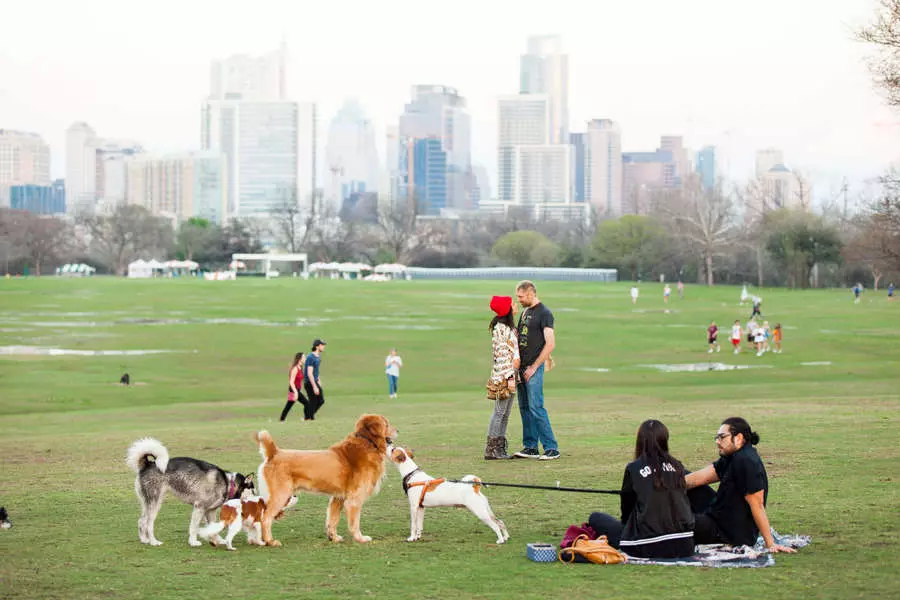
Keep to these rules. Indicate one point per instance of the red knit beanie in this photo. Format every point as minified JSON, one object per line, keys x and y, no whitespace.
{"x":501,"y":305}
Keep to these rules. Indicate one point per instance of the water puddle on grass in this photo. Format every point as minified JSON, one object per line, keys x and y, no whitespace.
{"x":42,"y":351}
{"x":666,"y":311}
{"x":700,"y":367}
{"x":594,"y":369}
{"x":409,"y":327}
{"x":819,"y":363}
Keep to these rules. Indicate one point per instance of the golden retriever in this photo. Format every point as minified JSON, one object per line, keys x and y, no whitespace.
{"x":350,"y":471}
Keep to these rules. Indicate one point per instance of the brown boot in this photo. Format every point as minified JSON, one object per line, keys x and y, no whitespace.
{"x":501,"y":449}
{"x":490,"y":449}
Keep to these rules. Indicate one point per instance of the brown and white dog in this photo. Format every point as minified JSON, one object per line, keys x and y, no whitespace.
{"x":350,"y":472}
{"x":424,"y":491}
{"x":245,"y":513}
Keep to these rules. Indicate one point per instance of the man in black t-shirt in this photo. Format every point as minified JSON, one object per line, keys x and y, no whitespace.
{"x":536,"y":342}
{"x":736,"y":514}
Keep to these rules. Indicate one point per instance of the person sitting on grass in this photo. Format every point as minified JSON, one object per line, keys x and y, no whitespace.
{"x":736,"y":513}
{"x":657,"y":521}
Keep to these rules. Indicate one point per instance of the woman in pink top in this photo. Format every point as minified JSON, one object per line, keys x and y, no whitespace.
{"x":295,"y":382}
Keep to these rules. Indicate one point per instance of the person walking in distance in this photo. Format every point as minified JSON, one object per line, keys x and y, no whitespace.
{"x":312,"y":384}
{"x":502,"y":383}
{"x":295,"y":380}
{"x":536,"y":341}
{"x":681,"y":289}
{"x":712,"y":337}
{"x":392,"y":365}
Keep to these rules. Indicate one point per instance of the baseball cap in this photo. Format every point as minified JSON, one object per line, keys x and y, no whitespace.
{"x":318,"y":342}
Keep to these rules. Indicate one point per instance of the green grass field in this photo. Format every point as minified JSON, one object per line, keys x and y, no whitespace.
{"x":830,"y":433}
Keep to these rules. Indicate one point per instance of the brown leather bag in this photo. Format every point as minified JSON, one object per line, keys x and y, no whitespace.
{"x":596,"y":551}
{"x":498,"y":390}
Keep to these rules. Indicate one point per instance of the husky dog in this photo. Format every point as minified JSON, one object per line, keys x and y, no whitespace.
{"x":197,"y":482}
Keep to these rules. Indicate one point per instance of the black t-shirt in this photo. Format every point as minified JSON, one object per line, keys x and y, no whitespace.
{"x":531,"y":333}
{"x":740,"y":474}
{"x":648,"y":512}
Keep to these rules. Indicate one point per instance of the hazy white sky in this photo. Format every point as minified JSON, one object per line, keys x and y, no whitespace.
{"x":740,"y":75}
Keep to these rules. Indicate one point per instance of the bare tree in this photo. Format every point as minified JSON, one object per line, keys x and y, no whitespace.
{"x":397,"y":223}
{"x":757,"y":200}
{"x":125,"y":234}
{"x":884,"y":34}
{"x":293,"y":224}
{"x":704,"y":219}
{"x":38,"y":239}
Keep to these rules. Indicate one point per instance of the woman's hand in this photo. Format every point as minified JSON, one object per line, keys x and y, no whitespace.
{"x":511,"y":383}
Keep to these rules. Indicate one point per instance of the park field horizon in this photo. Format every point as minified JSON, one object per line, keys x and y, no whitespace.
{"x":208,"y":361}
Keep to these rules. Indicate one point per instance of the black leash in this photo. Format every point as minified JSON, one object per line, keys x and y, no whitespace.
{"x":536,"y":487}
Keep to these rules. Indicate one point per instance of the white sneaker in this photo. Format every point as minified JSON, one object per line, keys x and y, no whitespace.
{"x":718,"y":348}
{"x":759,"y":353}
{"x":710,"y":351}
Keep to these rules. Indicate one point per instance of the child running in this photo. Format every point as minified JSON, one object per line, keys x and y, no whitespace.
{"x":736,"y":336}
{"x":712,"y":337}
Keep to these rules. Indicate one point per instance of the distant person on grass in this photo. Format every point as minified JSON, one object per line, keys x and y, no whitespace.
{"x":502,"y":383}
{"x":757,"y":302}
{"x":295,"y":381}
{"x":536,"y":341}
{"x":681,"y":289}
{"x":667,"y":291}
{"x":656,"y":521}
{"x":392,"y":365}
{"x":736,"y":335}
{"x":312,"y":384}
{"x":776,"y":335}
{"x":891,"y":291}
{"x":634,"y":294}
{"x":712,"y":337}
{"x":736,"y":513}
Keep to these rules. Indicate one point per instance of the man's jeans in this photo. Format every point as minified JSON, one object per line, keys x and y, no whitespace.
{"x":535,"y":421}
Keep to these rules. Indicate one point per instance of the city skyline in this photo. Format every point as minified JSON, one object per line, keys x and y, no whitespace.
{"x":805,"y":91}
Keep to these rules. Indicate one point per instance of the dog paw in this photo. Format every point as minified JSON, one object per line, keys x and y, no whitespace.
{"x":155,"y":543}
{"x":231,"y":548}
{"x":274,"y":544}
{"x":412,"y":539}
{"x":501,"y":541}
{"x":336,"y":538}
{"x":195,"y":543}
{"x":363,"y":539}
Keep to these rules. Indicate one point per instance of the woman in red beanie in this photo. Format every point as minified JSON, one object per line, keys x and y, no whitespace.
{"x":502,"y":384}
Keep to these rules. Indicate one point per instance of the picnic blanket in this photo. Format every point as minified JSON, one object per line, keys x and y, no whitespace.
{"x":725,"y":556}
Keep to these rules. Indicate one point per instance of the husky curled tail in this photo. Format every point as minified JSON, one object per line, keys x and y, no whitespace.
{"x":267,"y":450}
{"x":144,"y":448}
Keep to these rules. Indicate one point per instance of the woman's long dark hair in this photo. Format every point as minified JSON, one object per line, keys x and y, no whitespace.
{"x":297,"y":358}
{"x":506,"y":320}
{"x":652,"y":444}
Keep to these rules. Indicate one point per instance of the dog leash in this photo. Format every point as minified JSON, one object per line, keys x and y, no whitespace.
{"x":556,"y":488}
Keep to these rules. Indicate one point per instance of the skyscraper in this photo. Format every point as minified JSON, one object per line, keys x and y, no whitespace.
{"x":268,"y":141}
{"x":81,"y":166}
{"x":578,"y":141}
{"x":437,"y":112}
{"x":603,"y":167}
{"x":545,"y":70}
{"x":350,"y":154}
{"x":96,"y":176}
{"x":707,"y":167}
{"x":179,"y":186}
{"x":531,"y":170}
{"x":24,"y":160}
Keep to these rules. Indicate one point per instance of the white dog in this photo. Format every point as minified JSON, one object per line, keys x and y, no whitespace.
{"x":425,"y":491}
{"x":241,"y":513}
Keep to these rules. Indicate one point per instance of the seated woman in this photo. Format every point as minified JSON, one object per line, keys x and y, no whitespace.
{"x":657,"y":521}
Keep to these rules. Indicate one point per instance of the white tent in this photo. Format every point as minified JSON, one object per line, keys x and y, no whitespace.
{"x":140,"y":269}
{"x":76,"y":270}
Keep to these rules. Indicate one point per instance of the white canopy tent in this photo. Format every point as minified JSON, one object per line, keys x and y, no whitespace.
{"x":140,"y":269}
{"x":76,"y":270}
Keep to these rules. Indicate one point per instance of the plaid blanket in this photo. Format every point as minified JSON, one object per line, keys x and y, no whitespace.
{"x":724,"y":556}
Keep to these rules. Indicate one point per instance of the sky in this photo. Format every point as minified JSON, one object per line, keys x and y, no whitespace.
{"x":739,"y":75}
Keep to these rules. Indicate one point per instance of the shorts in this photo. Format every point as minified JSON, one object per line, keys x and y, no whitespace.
{"x":735,"y":342}
{"x":712,"y":340}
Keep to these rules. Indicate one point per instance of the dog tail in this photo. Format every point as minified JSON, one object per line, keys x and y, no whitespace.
{"x":477,"y":481}
{"x":267,"y":447}
{"x":210,"y":530}
{"x":144,"y":449}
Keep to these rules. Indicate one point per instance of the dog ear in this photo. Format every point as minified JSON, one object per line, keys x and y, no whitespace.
{"x":398,"y":456}
{"x":248,"y":479}
{"x":410,"y":454}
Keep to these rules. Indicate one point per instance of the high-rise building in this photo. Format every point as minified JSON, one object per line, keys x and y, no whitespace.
{"x":350,"y":154}
{"x":766,"y":159}
{"x":531,"y":169}
{"x":424,"y":175}
{"x":578,"y":141}
{"x":674,"y":144}
{"x":180,"y":186}
{"x":644,"y":173}
{"x":95,"y":169}
{"x":250,"y":77}
{"x":482,"y":184}
{"x":269,"y":151}
{"x":81,"y":167}
{"x":269,"y":142}
{"x":39,"y":199}
{"x":437,"y":112}
{"x":24,"y":160}
{"x":603,"y":166}
{"x":545,"y":70}
{"x":707,"y":167}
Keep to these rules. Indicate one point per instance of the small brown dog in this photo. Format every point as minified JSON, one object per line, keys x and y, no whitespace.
{"x":350,"y":472}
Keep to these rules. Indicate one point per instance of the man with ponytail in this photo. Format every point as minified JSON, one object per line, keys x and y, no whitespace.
{"x":736,"y":513}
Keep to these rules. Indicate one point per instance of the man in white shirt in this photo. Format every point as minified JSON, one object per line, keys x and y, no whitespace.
{"x":392,"y":365}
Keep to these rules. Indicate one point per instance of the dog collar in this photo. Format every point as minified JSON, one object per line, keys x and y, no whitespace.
{"x":406,"y":480}
{"x":362,"y":437}
{"x":232,"y":487}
